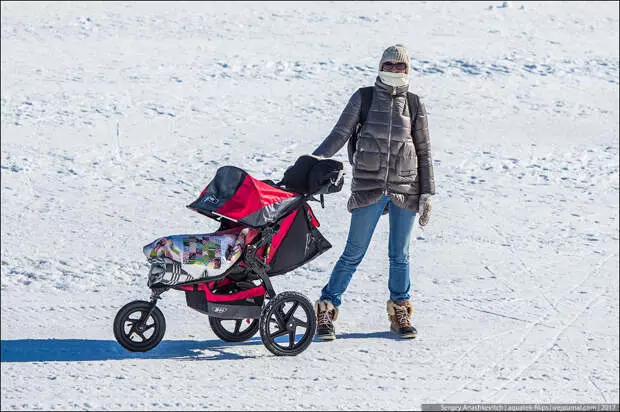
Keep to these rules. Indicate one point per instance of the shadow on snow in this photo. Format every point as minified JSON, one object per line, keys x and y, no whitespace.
{"x":66,"y":350}
{"x":368,"y":335}
{"x":75,"y":350}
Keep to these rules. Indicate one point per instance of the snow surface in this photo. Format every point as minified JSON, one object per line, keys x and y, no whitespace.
{"x":116,"y":115}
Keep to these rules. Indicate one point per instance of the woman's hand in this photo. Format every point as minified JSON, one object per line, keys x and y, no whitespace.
{"x":424,"y":209}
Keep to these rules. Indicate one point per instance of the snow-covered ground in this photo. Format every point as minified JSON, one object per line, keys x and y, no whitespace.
{"x":116,"y":115}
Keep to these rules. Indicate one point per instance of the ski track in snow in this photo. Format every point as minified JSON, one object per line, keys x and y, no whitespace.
{"x":116,"y":115}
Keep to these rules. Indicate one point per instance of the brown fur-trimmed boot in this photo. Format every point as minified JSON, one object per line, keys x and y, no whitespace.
{"x":400,"y":314}
{"x":326,"y":314}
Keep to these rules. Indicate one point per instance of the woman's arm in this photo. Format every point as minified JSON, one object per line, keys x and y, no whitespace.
{"x":422,"y":142}
{"x":343,"y":130}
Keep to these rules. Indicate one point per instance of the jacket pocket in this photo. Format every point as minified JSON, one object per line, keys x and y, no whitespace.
{"x":407,"y":160}
{"x":367,"y":155}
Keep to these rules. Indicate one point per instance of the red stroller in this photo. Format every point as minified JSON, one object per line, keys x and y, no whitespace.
{"x":266,"y":229}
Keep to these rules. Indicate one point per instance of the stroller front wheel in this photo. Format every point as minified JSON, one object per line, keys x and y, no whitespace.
{"x":282,"y":318}
{"x":136,"y":329}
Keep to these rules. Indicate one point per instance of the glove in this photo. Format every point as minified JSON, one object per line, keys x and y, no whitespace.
{"x":424,"y":209}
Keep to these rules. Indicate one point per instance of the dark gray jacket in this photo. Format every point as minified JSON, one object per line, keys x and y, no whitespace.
{"x":388,"y":159}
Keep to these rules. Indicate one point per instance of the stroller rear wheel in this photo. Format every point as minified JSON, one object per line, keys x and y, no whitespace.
{"x":280,"y":320}
{"x":231,"y":330}
{"x":137,"y":330}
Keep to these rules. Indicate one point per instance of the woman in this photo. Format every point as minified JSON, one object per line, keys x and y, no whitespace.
{"x":392,"y":173}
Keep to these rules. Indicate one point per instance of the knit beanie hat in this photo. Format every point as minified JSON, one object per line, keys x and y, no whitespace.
{"x":396,"y":54}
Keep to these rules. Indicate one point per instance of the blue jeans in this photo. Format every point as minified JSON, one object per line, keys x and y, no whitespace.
{"x":363,"y":223}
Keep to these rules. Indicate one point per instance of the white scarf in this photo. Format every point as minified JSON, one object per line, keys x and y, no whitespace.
{"x":394,"y":79}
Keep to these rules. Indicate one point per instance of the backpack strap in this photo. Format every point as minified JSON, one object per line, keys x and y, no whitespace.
{"x":366,"y":94}
{"x":366,"y":101}
{"x":414,"y":103}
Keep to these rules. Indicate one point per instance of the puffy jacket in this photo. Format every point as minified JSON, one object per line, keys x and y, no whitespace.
{"x":388,"y":159}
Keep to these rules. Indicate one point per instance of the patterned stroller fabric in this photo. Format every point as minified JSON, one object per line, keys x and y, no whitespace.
{"x":183,"y":258}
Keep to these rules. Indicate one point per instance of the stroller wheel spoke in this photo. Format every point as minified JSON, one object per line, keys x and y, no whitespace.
{"x":139,"y":326}
{"x":141,"y":314}
{"x":132,"y":329}
{"x":280,"y":318}
{"x":291,"y":311}
{"x":141,"y":335}
{"x":291,"y":339}
{"x":300,"y":322}
{"x":278,"y":333}
{"x":148,"y":327}
{"x":134,"y":321}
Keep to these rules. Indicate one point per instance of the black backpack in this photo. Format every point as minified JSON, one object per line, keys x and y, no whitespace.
{"x":367,"y":93}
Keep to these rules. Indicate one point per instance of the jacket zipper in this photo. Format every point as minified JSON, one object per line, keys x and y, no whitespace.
{"x":387,"y":171}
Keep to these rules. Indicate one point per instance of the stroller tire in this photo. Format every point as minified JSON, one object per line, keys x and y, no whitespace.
{"x":280,"y":320}
{"x":236,"y":335}
{"x":127,"y":327}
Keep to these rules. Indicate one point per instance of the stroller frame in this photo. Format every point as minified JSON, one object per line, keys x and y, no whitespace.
{"x":247,"y":303}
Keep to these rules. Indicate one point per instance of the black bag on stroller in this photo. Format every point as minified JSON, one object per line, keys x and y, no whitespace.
{"x":314,"y":175}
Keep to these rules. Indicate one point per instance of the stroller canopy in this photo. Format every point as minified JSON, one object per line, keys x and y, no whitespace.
{"x":237,"y":196}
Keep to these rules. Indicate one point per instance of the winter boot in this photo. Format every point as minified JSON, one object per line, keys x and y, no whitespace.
{"x":326,"y":314}
{"x":399,"y":314}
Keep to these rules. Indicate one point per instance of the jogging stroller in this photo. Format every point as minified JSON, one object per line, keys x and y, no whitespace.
{"x":266,"y":229}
